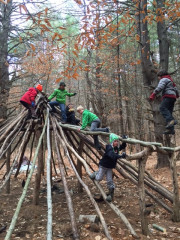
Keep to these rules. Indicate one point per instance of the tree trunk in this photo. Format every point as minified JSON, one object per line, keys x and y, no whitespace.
{"x":5,"y":24}
{"x":150,"y":78}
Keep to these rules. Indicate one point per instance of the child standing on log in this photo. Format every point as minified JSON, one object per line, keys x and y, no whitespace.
{"x":90,"y":119}
{"x":108,"y":162}
{"x":169,"y":95}
{"x":60,"y":95}
{"x":28,"y":100}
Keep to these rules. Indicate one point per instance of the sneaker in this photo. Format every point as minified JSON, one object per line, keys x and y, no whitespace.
{"x":93,"y":175}
{"x":34,"y":117}
{"x":169,"y":131}
{"x":99,"y":148}
{"x":107,"y":130}
{"x":171,"y":123}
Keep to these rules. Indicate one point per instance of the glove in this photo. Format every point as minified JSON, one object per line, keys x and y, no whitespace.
{"x":123,"y":155}
{"x":124,"y":136}
{"x":152,"y":97}
{"x":33,"y":104}
{"x":74,"y":94}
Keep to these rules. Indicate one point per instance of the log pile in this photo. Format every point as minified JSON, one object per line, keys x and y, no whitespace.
{"x":17,"y":134}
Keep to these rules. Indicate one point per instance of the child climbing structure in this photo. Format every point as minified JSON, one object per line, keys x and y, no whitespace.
{"x":17,"y":133}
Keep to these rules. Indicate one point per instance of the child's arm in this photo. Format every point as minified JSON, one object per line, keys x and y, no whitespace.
{"x":84,"y":122}
{"x":70,"y":94}
{"x":53,"y":95}
{"x":122,"y":146}
{"x":32,"y":95}
{"x":161,"y":85}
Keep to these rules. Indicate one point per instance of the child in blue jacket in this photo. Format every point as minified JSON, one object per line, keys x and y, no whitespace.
{"x":108,"y":162}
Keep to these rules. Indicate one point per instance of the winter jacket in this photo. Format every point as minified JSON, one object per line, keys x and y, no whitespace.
{"x":111,"y":156}
{"x":87,"y":118}
{"x":71,"y":116}
{"x":167,"y":87}
{"x":29,"y":96}
{"x":60,"y":95}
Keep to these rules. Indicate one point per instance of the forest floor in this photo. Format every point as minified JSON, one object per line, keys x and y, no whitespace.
{"x":32,"y":220}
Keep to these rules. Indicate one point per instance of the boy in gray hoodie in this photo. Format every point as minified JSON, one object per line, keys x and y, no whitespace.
{"x":169,"y":96}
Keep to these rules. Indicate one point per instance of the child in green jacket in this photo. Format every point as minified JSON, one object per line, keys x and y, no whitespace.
{"x":60,"y":95}
{"x":90,"y":119}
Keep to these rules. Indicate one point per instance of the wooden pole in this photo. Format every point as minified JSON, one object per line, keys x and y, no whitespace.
{"x":49,"y":198}
{"x":39,"y":171}
{"x":8,"y":169}
{"x":176,"y":200}
{"x":141,"y":189}
{"x":79,"y":165}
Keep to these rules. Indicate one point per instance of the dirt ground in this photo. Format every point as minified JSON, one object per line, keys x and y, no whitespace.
{"x":32,"y":220}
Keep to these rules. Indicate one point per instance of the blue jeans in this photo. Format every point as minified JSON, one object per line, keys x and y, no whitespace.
{"x":62,"y":106}
{"x":166,"y":108}
{"x":95,"y":127}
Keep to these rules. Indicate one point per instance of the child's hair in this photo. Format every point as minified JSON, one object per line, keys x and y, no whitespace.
{"x":162,"y":73}
{"x":80,"y":108}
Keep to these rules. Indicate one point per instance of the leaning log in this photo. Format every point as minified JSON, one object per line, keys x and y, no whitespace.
{"x":49,"y":198}
{"x":68,"y":196}
{"x":20,"y":202}
{"x":104,"y":225}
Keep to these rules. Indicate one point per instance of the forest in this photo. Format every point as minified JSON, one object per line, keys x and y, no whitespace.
{"x":109,"y":53}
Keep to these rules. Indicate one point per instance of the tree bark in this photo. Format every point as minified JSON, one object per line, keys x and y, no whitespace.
{"x":5,"y":25}
{"x":150,"y":77}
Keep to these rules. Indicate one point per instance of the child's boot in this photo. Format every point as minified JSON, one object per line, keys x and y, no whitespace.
{"x":93,"y":175}
{"x":110,"y":195}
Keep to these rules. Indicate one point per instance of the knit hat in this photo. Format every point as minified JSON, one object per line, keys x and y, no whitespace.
{"x":62,"y":84}
{"x":39,"y":87}
{"x":113,"y":137}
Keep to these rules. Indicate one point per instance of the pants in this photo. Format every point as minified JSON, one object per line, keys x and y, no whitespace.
{"x":95,"y":127}
{"x":31,"y":109}
{"x":100,"y":174}
{"x":62,"y":108}
{"x":166,"y":108}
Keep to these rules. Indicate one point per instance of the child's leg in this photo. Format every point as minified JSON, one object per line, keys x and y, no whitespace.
{"x":95,"y":126}
{"x":63,"y":112}
{"x":100,"y":174}
{"x":52,"y":104}
{"x":28,"y":107}
{"x":166,"y":109}
{"x":110,"y":183}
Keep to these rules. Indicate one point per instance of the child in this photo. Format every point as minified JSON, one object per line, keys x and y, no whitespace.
{"x":90,"y":119}
{"x":28,"y":100}
{"x":71,"y":115}
{"x":169,"y":95}
{"x":108,"y":162}
{"x":60,"y":95}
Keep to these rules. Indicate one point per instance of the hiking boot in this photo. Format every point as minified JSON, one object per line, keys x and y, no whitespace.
{"x":169,"y":131}
{"x":110,"y":195}
{"x":93,"y":175}
{"x":171,"y":124}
